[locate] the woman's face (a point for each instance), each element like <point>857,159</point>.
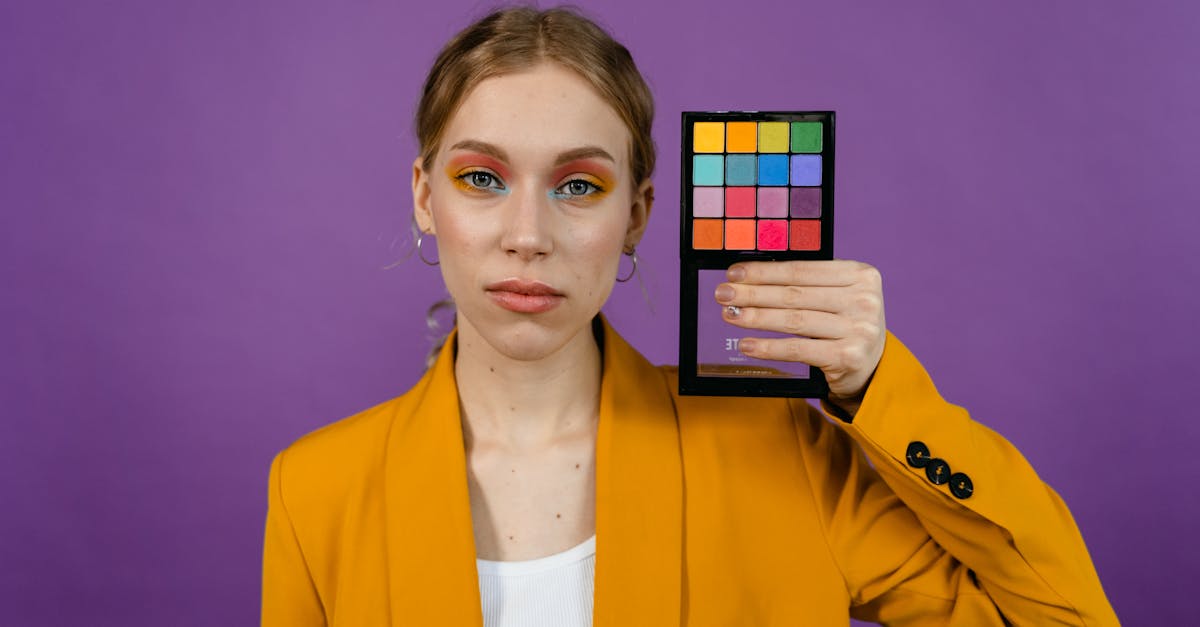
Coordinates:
<point>532,201</point>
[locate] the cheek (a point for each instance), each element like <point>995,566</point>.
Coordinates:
<point>462,245</point>
<point>596,254</point>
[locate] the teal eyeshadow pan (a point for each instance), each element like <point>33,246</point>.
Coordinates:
<point>708,170</point>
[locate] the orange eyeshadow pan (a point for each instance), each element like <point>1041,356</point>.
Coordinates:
<point>739,234</point>
<point>707,234</point>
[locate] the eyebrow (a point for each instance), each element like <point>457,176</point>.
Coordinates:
<point>585,152</point>
<point>575,154</point>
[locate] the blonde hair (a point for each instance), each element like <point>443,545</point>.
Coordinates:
<point>518,38</point>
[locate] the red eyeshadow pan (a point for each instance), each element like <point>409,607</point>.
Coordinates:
<point>805,235</point>
<point>739,202</point>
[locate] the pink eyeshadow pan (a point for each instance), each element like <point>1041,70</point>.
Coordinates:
<point>739,202</point>
<point>772,202</point>
<point>708,202</point>
<point>772,234</point>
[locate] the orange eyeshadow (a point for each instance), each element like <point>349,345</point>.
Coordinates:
<point>741,137</point>
<point>739,234</point>
<point>706,234</point>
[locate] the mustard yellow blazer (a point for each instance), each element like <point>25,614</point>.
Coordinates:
<point>709,511</point>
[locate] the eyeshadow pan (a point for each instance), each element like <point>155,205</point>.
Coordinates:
<point>739,235</point>
<point>806,136</point>
<point>739,169</point>
<point>806,170</point>
<point>773,169</point>
<point>772,234</point>
<point>772,136</point>
<point>806,202</point>
<point>708,137</point>
<point>805,235</point>
<point>706,234</point>
<point>772,202</point>
<point>708,202</point>
<point>708,170</point>
<point>741,136</point>
<point>739,202</point>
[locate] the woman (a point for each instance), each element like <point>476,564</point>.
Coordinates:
<point>539,433</point>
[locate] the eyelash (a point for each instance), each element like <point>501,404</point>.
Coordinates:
<point>594,190</point>
<point>469,181</point>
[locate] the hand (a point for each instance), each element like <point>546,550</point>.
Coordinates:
<point>835,306</point>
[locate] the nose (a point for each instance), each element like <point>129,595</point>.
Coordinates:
<point>528,222</point>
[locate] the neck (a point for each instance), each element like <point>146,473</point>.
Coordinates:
<point>526,405</point>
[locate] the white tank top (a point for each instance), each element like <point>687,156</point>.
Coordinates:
<point>551,591</point>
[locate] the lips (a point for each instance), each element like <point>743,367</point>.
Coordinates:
<point>524,295</point>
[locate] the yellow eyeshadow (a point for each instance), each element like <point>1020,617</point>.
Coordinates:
<point>709,137</point>
<point>772,136</point>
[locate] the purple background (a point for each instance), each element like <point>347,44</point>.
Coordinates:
<point>199,200</point>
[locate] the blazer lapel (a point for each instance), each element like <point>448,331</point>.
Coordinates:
<point>639,494</point>
<point>430,537</point>
<point>639,500</point>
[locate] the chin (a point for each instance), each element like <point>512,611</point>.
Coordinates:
<point>525,337</point>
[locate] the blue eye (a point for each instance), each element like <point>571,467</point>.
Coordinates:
<point>478,179</point>
<point>576,188</point>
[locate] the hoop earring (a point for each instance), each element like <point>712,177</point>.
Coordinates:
<point>632,271</point>
<point>421,253</point>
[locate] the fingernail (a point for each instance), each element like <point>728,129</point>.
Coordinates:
<point>733,311</point>
<point>724,293</point>
<point>747,345</point>
<point>736,273</point>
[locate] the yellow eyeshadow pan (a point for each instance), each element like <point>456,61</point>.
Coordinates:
<point>755,186</point>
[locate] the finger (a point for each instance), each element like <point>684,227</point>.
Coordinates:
<point>806,322</point>
<point>816,353</point>
<point>830,299</point>
<point>835,273</point>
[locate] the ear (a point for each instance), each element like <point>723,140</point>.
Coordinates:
<point>639,213</point>
<point>422,212</point>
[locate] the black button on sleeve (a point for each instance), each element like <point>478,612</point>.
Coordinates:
<point>917,454</point>
<point>961,486</point>
<point>937,471</point>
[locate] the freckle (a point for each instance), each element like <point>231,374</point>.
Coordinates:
<point>491,368</point>
<point>558,515</point>
<point>510,537</point>
<point>577,465</point>
<point>512,409</point>
<point>513,470</point>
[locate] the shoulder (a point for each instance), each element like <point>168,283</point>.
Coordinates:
<point>330,464</point>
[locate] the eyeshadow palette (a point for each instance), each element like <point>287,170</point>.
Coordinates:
<point>756,186</point>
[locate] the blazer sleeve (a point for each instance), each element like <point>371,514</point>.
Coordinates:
<point>1002,548</point>
<point>289,596</point>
